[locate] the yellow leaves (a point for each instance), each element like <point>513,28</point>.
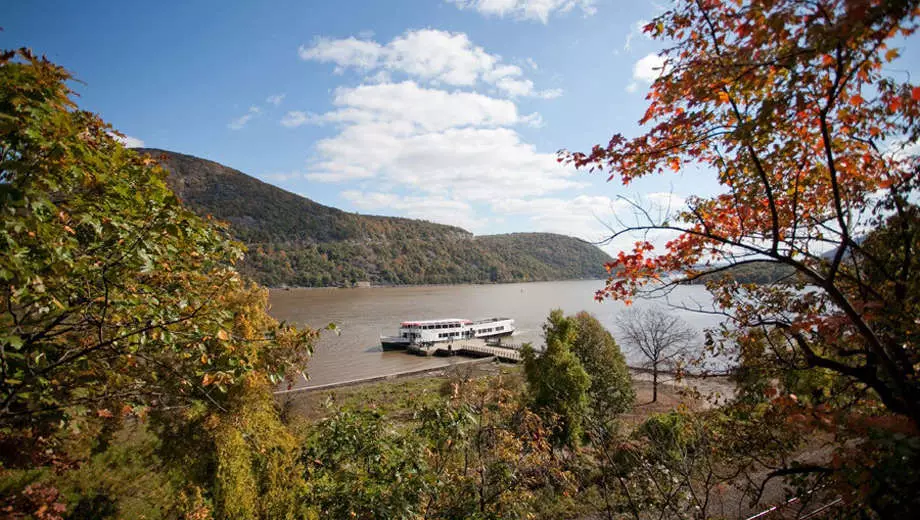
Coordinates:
<point>223,335</point>
<point>204,359</point>
<point>722,96</point>
<point>207,380</point>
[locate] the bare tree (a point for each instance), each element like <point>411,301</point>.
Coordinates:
<point>659,336</point>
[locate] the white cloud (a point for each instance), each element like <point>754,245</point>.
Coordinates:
<point>584,216</point>
<point>441,142</point>
<point>526,9</point>
<point>421,109</point>
<point>296,118</point>
<point>475,164</point>
<point>594,217</point>
<point>349,52</point>
<point>647,70</point>
<point>637,29</point>
<point>433,208</point>
<point>127,140</point>
<point>275,99</point>
<point>240,122</point>
<point>433,142</point>
<point>550,93</point>
<point>427,55</point>
<point>532,64</point>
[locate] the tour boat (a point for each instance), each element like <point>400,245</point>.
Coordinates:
<point>426,332</point>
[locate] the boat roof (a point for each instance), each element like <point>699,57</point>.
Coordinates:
<point>415,323</point>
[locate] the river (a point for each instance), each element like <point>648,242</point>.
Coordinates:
<point>364,314</point>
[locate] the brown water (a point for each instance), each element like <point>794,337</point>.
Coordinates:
<point>365,314</point>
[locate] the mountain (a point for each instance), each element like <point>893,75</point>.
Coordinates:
<point>294,241</point>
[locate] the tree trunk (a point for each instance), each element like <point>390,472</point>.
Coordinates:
<point>655,383</point>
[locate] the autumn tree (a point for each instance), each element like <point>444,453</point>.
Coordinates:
<point>790,107</point>
<point>116,301</point>
<point>661,338</point>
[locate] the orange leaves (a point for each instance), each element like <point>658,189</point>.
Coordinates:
<point>915,93</point>
<point>674,164</point>
<point>722,96</point>
<point>894,104</point>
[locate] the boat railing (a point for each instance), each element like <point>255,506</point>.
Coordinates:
<point>490,320</point>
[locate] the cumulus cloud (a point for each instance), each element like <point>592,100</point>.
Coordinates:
<point>427,55</point>
<point>416,107</point>
<point>540,10</point>
<point>441,142</point>
<point>647,70</point>
<point>433,208</point>
<point>432,141</point>
<point>240,122</point>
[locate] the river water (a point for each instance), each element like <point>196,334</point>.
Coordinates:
<point>365,314</point>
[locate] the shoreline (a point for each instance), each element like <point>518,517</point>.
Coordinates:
<point>427,285</point>
<point>713,382</point>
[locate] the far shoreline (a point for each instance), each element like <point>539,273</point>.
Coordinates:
<point>427,285</point>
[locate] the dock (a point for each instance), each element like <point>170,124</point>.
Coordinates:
<point>476,348</point>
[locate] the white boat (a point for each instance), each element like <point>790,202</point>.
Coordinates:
<point>427,332</point>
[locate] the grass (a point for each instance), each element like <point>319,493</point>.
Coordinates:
<point>397,399</point>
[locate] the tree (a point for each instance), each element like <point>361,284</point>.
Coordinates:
<point>116,301</point>
<point>556,380</point>
<point>786,103</point>
<point>660,337</point>
<point>611,392</point>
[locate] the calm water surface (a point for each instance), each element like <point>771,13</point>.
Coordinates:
<point>364,314</point>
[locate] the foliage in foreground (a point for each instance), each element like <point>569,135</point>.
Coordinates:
<point>118,304</point>
<point>793,108</point>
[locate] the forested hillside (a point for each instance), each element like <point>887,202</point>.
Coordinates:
<point>294,241</point>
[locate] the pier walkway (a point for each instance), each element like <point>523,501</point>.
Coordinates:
<point>469,347</point>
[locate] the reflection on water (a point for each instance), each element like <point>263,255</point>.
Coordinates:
<point>364,314</point>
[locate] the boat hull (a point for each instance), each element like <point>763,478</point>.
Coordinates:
<point>388,344</point>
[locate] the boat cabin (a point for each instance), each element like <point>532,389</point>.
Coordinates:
<point>426,331</point>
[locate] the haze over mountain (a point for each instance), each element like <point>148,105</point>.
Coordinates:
<point>294,241</point>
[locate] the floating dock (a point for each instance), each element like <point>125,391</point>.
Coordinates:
<point>469,347</point>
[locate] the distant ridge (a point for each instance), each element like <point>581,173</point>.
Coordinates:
<point>294,241</point>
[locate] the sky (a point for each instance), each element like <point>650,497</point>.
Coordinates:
<point>445,110</point>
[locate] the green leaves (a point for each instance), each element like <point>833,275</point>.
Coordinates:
<point>107,281</point>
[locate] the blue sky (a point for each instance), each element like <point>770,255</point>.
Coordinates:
<point>448,110</point>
